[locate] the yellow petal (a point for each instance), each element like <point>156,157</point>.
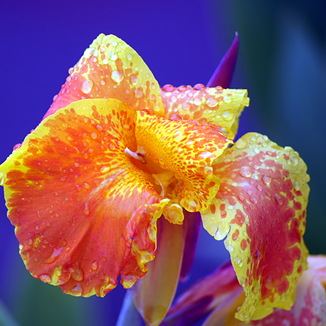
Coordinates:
<point>217,105</point>
<point>186,148</point>
<point>110,68</point>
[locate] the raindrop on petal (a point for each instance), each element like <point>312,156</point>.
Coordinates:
<point>245,172</point>
<point>77,275</point>
<point>211,102</point>
<point>117,76</point>
<point>46,278</point>
<point>227,115</point>
<point>87,86</point>
<point>94,266</point>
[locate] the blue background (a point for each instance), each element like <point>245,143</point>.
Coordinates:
<point>281,61</point>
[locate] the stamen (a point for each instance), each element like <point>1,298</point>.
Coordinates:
<point>135,155</point>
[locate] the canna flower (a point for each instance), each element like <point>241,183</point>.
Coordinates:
<point>220,295</point>
<point>115,156</point>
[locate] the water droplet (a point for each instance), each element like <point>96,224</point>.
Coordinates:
<point>88,52</point>
<point>267,180</point>
<point>279,200</point>
<point>94,135</point>
<point>227,99</point>
<point>77,275</point>
<point>197,101</point>
<point>86,209</point>
<point>87,86</point>
<point>192,203</point>
<point>46,278</point>
<point>245,172</point>
<point>112,56</point>
<point>293,160</point>
<point>133,80</point>
<point>237,261</point>
<point>227,115</point>
<point>138,93</point>
<point>211,102</point>
<point>55,254</point>
<point>259,187</point>
<point>94,266</point>
<point>117,76</point>
<point>86,185</point>
<point>77,290</point>
<point>254,200</point>
<point>129,56</point>
<point>102,82</point>
<point>241,143</point>
<point>168,88</point>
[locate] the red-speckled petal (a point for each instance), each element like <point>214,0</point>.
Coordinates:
<point>216,105</point>
<point>310,301</point>
<point>261,207</point>
<point>110,68</point>
<point>187,149</point>
<point>84,214</point>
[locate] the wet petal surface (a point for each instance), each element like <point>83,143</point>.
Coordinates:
<point>110,68</point>
<point>186,148</point>
<point>261,208</point>
<point>84,215</point>
<point>219,106</point>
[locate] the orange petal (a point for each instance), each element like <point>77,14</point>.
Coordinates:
<point>217,105</point>
<point>84,214</point>
<point>155,292</point>
<point>110,68</point>
<point>261,206</point>
<point>186,148</point>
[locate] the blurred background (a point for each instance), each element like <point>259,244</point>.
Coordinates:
<point>282,62</point>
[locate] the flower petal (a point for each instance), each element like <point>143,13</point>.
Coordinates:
<point>205,295</point>
<point>261,207</point>
<point>110,68</point>
<point>216,105</point>
<point>310,301</point>
<point>187,148</point>
<point>84,214</point>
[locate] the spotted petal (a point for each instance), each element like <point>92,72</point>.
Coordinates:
<point>84,215</point>
<point>261,207</point>
<point>216,105</point>
<point>110,68</point>
<point>186,149</point>
<point>310,302</point>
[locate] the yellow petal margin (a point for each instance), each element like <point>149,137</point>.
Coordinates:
<point>187,149</point>
<point>216,105</point>
<point>110,68</point>
<point>261,208</point>
<point>84,214</point>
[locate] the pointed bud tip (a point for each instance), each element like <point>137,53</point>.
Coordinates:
<point>224,72</point>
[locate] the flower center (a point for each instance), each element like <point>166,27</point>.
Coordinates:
<point>159,177</point>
